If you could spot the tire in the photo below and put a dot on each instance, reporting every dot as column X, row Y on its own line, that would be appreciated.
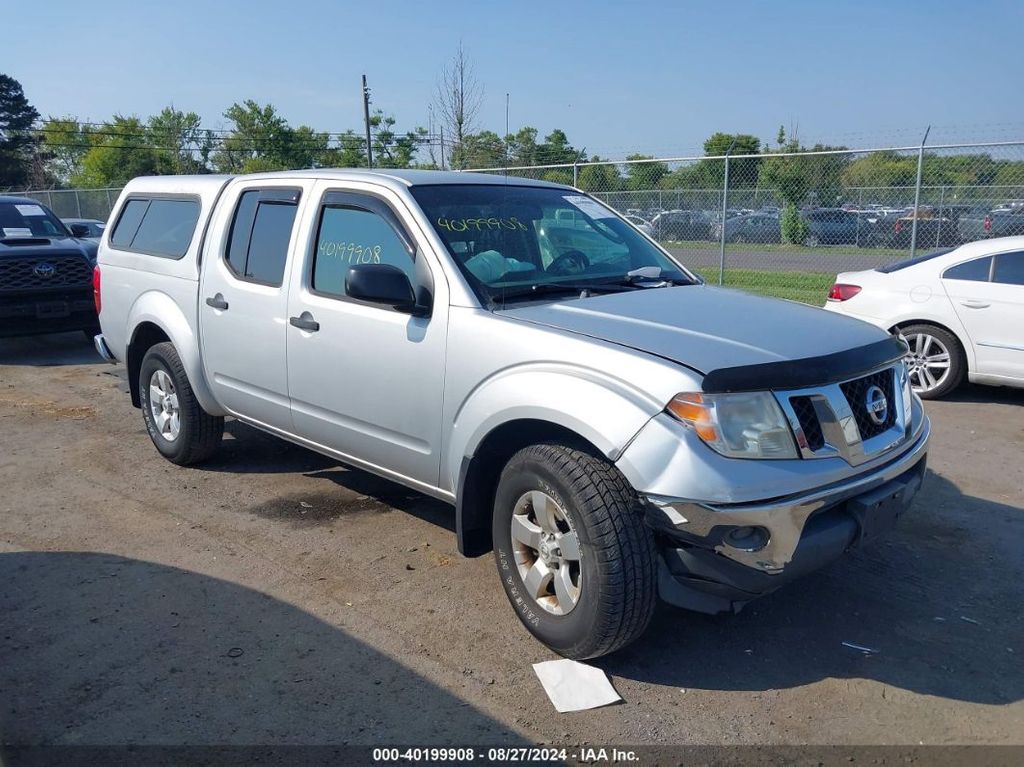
column 197, row 433
column 616, row 561
column 935, row 342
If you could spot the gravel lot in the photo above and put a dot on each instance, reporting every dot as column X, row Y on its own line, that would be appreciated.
column 274, row 596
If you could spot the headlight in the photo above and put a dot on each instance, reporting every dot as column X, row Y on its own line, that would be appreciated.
column 743, row 425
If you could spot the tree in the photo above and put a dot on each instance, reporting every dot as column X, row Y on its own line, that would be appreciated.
column 260, row 139
column 119, row 151
column 599, row 178
column 17, row 141
column 391, row 149
column 742, row 171
column 182, row 145
column 64, row 142
column 480, row 150
column 644, row 175
column 459, row 97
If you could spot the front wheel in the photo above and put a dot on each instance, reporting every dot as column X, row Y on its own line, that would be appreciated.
column 181, row 430
column 575, row 558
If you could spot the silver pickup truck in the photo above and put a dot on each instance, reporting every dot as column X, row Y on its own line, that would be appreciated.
column 610, row 427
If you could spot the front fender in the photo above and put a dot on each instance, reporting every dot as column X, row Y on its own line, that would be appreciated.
column 603, row 409
column 160, row 309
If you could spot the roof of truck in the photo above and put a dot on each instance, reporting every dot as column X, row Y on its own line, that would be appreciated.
column 401, row 176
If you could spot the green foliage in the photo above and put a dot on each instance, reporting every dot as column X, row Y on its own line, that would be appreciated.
column 17, row 143
column 794, row 227
column 119, row 151
column 799, row 177
column 599, row 178
column 644, row 175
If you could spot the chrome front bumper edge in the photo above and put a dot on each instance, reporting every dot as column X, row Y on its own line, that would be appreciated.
column 785, row 518
column 102, row 349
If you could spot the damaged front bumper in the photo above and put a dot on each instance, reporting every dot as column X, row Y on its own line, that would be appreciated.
column 716, row 556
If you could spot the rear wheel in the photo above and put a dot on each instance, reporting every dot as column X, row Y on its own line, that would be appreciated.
column 575, row 558
column 181, row 430
column 936, row 364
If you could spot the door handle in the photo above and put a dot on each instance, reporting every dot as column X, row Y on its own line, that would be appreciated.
column 975, row 304
column 305, row 322
column 218, row 302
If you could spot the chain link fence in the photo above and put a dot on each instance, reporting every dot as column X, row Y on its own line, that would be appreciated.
column 784, row 224
column 779, row 224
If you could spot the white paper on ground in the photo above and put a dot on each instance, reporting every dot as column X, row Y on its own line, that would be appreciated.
column 573, row 686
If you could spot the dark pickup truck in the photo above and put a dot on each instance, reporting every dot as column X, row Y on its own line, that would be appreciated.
column 45, row 272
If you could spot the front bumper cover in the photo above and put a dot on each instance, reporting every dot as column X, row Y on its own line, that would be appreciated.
column 792, row 535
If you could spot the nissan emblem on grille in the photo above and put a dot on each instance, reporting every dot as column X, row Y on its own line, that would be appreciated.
column 44, row 270
column 876, row 404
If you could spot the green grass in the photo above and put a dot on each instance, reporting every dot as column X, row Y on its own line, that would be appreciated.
column 754, row 247
column 807, row 287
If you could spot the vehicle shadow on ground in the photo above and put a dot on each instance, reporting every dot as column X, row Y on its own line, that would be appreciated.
column 49, row 350
column 249, row 450
column 972, row 393
column 938, row 601
column 101, row 649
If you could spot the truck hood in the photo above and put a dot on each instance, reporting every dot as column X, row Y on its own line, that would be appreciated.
column 705, row 328
column 41, row 247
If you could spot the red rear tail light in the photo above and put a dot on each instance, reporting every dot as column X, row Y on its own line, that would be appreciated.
column 899, row 226
column 96, row 288
column 988, row 223
column 841, row 292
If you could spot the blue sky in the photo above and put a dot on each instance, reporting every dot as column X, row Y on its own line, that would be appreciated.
column 618, row 77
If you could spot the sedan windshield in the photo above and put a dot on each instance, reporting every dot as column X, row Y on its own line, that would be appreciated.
column 27, row 219
column 520, row 241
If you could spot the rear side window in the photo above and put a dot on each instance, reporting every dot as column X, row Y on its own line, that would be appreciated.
column 1009, row 269
column 258, row 243
column 156, row 227
column 974, row 271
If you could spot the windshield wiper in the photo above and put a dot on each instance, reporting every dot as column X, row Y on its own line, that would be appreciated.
column 548, row 288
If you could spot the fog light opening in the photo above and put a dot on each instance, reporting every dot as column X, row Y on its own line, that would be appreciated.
column 747, row 538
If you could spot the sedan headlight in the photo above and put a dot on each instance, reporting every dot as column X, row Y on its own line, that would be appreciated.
column 742, row 425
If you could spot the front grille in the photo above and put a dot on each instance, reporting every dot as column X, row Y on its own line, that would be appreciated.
column 808, row 418
column 39, row 272
column 856, row 395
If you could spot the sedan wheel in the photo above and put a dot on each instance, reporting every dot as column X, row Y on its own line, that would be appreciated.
column 936, row 362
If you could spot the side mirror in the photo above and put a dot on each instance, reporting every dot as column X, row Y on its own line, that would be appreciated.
column 79, row 231
column 383, row 284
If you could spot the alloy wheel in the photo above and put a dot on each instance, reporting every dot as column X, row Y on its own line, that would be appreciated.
column 547, row 552
column 927, row 363
column 163, row 405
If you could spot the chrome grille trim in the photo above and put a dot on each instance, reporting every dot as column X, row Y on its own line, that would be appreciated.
column 837, row 421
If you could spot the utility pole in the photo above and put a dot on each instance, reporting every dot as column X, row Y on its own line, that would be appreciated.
column 366, row 121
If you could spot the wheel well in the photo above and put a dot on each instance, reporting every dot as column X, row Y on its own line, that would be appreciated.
column 478, row 476
column 940, row 326
column 146, row 335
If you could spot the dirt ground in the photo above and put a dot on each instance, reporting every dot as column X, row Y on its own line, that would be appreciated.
column 274, row 597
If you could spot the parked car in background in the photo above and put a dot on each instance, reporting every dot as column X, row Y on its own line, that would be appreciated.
column 640, row 223
column 599, row 418
column 998, row 222
column 85, row 228
column 830, row 226
column 681, row 225
column 960, row 310
column 45, row 273
column 749, row 227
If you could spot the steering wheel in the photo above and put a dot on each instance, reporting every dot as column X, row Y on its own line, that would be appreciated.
column 569, row 262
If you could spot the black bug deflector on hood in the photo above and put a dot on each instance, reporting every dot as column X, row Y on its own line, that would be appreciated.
column 809, row 371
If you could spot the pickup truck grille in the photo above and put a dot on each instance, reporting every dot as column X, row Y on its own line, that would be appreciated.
column 839, row 420
column 41, row 272
column 856, row 394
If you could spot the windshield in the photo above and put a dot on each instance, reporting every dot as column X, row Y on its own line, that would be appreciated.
column 507, row 239
column 26, row 219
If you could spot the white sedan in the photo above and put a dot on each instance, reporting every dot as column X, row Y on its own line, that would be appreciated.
column 961, row 311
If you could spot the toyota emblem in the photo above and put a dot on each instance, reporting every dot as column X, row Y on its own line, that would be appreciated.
column 877, row 405
column 44, row 270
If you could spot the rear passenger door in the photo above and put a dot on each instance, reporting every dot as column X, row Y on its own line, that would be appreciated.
column 243, row 301
column 367, row 380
